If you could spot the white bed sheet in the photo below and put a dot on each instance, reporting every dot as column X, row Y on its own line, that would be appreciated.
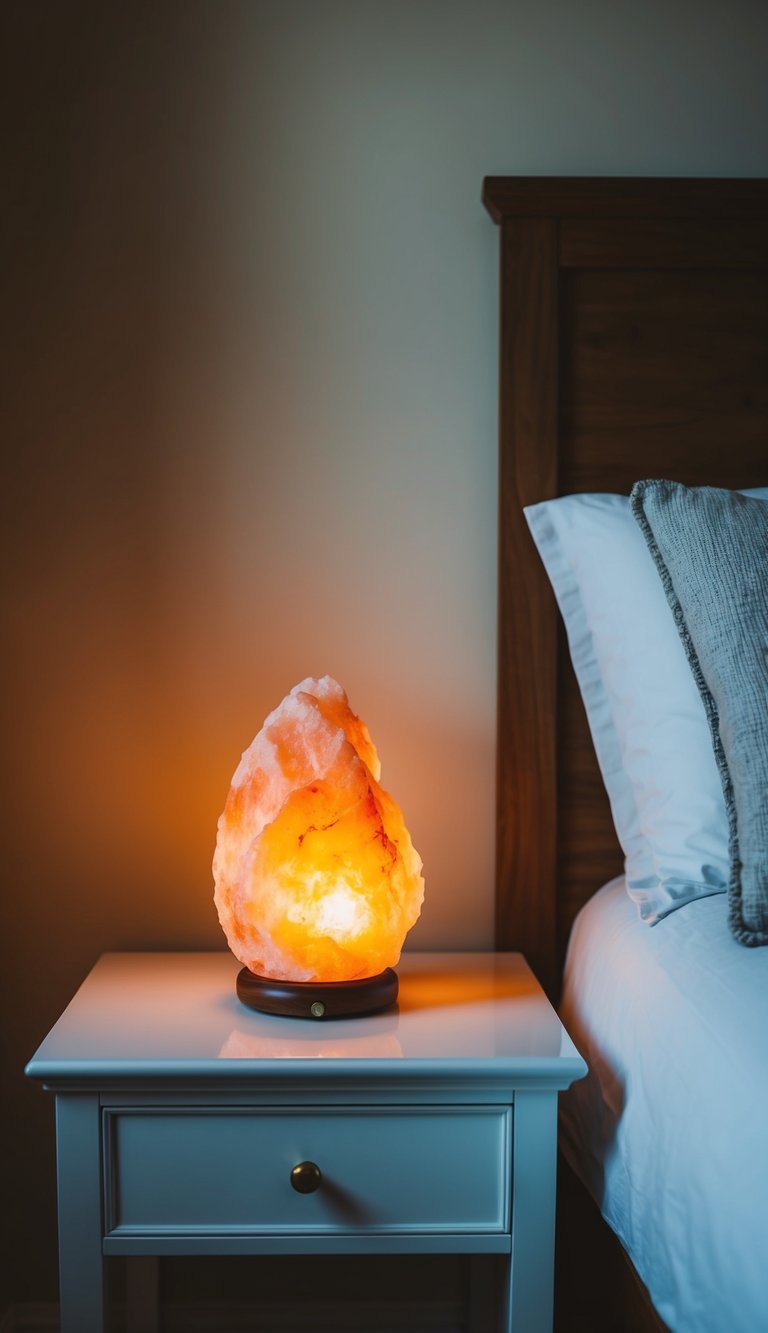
column 669, row 1131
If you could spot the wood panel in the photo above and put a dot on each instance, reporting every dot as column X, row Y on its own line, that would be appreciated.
column 659, row 243
column 634, row 343
column 660, row 371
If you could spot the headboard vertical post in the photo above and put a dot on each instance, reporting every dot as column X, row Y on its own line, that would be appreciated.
column 526, row 788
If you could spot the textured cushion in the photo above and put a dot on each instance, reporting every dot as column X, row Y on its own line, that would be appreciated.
column 646, row 717
column 711, row 549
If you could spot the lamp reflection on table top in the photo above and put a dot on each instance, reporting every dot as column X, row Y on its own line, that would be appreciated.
column 282, row 1045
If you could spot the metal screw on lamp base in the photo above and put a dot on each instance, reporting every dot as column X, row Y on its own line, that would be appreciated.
column 317, row 999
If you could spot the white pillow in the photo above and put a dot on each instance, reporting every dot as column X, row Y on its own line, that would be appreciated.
column 645, row 713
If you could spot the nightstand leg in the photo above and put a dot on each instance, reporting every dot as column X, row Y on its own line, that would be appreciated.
column 81, row 1267
column 529, row 1299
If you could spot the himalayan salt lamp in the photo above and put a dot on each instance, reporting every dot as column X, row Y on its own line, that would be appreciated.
column 317, row 881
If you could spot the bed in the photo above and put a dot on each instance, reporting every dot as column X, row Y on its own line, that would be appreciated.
column 633, row 344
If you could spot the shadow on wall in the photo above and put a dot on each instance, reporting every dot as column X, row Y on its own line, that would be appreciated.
column 113, row 776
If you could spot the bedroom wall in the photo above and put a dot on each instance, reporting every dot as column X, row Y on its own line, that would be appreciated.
column 250, row 386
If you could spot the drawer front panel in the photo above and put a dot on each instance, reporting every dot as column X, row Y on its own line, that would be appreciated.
column 383, row 1170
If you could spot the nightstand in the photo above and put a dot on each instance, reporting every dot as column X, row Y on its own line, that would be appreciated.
column 431, row 1128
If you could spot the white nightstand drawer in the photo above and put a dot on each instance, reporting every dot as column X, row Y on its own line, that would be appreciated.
column 399, row 1169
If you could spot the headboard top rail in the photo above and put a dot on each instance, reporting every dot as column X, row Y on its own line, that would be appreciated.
column 624, row 196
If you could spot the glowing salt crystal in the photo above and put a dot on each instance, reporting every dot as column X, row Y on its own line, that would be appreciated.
column 316, row 877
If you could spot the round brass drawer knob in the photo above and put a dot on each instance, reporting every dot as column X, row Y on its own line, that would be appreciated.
column 306, row 1177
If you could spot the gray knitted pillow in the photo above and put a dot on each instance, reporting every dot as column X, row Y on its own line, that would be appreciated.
column 711, row 550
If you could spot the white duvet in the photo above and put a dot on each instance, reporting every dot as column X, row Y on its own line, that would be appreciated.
column 670, row 1129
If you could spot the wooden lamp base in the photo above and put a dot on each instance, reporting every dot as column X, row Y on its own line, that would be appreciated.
column 317, row 999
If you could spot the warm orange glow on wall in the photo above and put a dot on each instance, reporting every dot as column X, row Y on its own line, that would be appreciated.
column 316, row 875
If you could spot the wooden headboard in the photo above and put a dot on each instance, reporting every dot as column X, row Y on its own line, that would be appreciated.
column 634, row 343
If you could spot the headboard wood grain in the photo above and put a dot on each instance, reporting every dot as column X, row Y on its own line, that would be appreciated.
column 634, row 343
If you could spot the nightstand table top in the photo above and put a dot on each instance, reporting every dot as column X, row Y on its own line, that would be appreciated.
column 161, row 1015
